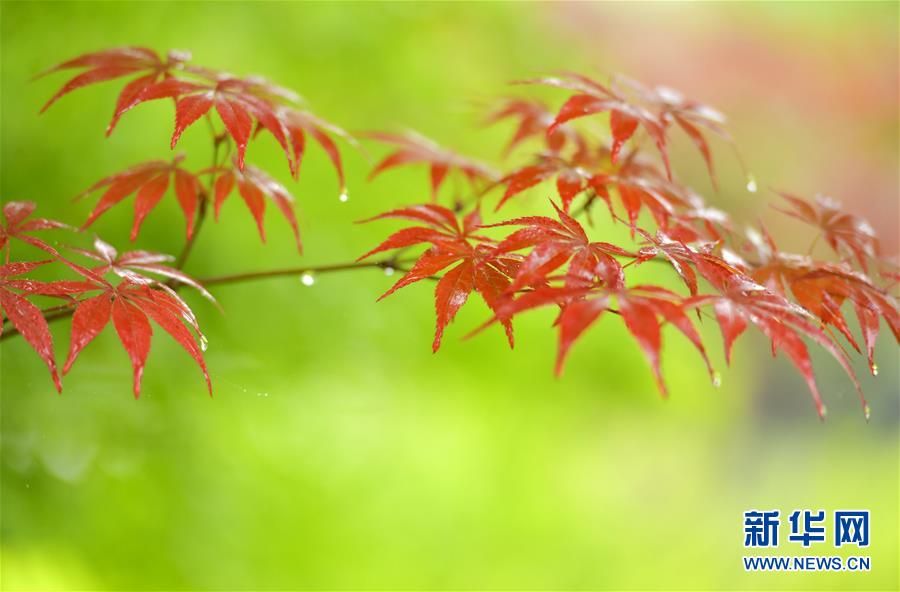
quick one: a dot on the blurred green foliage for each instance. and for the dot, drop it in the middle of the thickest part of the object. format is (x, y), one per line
(338, 452)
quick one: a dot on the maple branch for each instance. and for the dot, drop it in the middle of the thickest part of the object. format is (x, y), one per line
(62, 311)
(189, 243)
(288, 271)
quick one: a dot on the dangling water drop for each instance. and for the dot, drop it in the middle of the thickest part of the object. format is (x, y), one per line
(867, 411)
(717, 379)
(824, 411)
(874, 369)
(751, 184)
(343, 197)
(204, 343)
(307, 278)
(389, 271)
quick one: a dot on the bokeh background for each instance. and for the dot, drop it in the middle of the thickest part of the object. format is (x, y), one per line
(338, 452)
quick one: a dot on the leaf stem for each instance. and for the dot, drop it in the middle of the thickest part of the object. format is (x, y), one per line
(189, 243)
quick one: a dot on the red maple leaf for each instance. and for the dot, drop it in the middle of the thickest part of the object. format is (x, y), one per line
(632, 105)
(822, 288)
(299, 123)
(573, 176)
(131, 306)
(696, 221)
(148, 181)
(625, 116)
(18, 224)
(742, 301)
(845, 233)
(691, 116)
(415, 148)
(644, 309)
(534, 118)
(254, 186)
(114, 63)
(25, 316)
(135, 265)
(480, 267)
(238, 102)
(661, 198)
(553, 243)
(679, 255)
(593, 277)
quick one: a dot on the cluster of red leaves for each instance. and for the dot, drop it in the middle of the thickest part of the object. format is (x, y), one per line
(536, 261)
(632, 105)
(554, 262)
(131, 300)
(245, 107)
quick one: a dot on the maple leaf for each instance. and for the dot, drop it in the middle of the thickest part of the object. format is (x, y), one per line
(572, 177)
(691, 116)
(644, 309)
(114, 63)
(18, 224)
(131, 306)
(25, 316)
(625, 116)
(134, 265)
(679, 255)
(553, 243)
(237, 101)
(638, 186)
(480, 267)
(822, 288)
(632, 105)
(415, 148)
(742, 302)
(233, 104)
(591, 267)
(842, 231)
(148, 181)
(695, 221)
(299, 123)
(661, 198)
(533, 120)
(254, 186)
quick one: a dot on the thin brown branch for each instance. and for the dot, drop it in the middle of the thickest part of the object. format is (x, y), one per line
(189, 243)
(62, 311)
(299, 270)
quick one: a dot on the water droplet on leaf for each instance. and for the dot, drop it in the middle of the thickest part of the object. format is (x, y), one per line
(389, 270)
(343, 197)
(307, 279)
(717, 379)
(204, 343)
(874, 369)
(867, 411)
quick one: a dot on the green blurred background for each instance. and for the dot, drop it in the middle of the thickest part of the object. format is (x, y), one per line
(338, 452)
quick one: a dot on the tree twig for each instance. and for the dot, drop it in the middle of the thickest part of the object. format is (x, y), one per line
(299, 270)
(62, 311)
